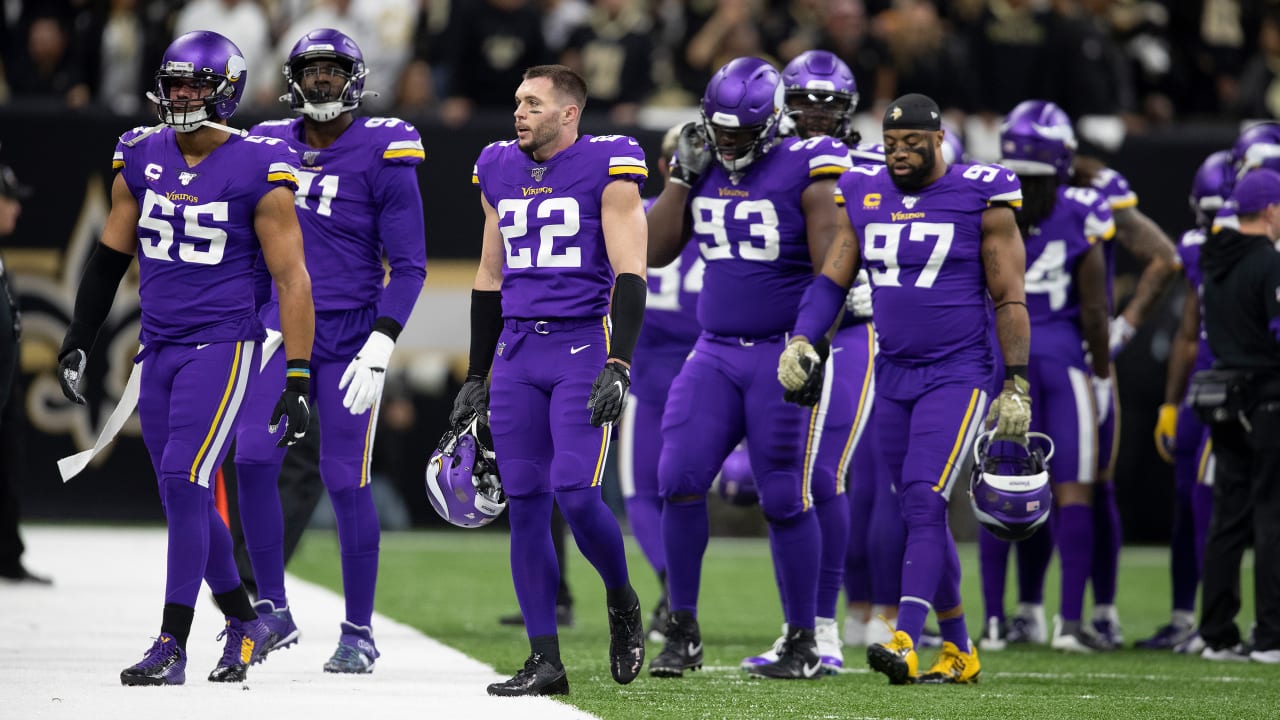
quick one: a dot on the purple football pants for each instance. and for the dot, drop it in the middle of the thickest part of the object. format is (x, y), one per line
(1193, 478)
(728, 389)
(346, 449)
(545, 444)
(189, 402)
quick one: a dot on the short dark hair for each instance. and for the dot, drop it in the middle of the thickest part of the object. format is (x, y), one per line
(563, 79)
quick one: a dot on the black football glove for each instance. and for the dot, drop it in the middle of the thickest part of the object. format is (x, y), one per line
(472, 401)
(810, 393)
(71, 374)
(608, 393)
(294, 409)
(692, 154)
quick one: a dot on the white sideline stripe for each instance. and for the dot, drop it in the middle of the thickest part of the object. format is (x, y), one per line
(63, 648)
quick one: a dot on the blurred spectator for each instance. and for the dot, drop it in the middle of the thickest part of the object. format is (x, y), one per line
(792, 27)
(728, 32)
(244, 23)
(120, 85)
(492, 43)
(846, 33)
(926, 58)
(391, 23)
(1259, 95)
(1010, 54)
(561, 18)
(1213, 45)
(1142, 29)
(1097, 80)
(48, 69)
(614, 52)
(12, 412)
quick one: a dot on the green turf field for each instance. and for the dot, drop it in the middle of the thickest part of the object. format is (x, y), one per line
(454, 585)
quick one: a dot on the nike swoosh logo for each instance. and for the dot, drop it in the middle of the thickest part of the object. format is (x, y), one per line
(695, 649)
(201, 347)
(811, 671)
(576, 350)
(618, 384)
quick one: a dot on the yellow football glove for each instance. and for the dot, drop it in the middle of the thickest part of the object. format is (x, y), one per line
(797, 362)
(1010, 414)
(1167, 431)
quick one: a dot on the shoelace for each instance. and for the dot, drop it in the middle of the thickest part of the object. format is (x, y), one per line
(894, 643)
(155, 655)
(231, 650)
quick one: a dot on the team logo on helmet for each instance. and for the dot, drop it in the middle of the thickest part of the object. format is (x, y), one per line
(235, 68)
(895, 113)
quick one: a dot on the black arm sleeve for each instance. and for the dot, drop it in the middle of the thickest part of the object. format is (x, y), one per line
(388, 326)
(102, 275)
(629, 295)
(486, 326)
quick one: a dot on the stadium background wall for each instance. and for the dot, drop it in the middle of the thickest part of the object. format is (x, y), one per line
(65, 157)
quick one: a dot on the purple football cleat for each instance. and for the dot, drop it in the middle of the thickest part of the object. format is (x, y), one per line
(284, 632)
(247, 641)
(164, 664)
(355, 653)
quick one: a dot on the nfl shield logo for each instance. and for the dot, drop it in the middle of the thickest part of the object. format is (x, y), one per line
(909, 201)
(501, 346)
(309, 157)
(1033, 505)
(537, 173)
(186, 177)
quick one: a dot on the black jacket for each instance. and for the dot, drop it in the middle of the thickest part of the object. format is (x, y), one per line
(1242, 300)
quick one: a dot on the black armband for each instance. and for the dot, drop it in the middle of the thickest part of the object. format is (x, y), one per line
(486, 327)
(1015, 371)
(629, 294)
(102, 275)
(388, 326)
(297, 376)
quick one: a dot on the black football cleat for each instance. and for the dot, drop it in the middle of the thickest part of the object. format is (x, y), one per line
(626, 643)
(683, 649)
(797, 660)
(537, 677)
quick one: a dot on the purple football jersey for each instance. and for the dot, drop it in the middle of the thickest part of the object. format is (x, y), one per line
(923, 252)
(556, 265)
(196, 238)
(1081, 217)
(753, 239)
(357, 198)
(670, 323)
(1189, 252)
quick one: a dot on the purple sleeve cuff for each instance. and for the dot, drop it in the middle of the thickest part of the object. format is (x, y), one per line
(818, 308)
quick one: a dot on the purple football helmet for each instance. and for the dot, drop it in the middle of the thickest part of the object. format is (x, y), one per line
(1010, 491)
(205, 61)
(741, 109)
(867, 153)
(325, 101)
(820, 93)
(1212, 186)
(737, 484)
(462, 479)
(1258, 146)
(1036, 138)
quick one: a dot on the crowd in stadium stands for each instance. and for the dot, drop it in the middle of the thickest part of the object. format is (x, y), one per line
(1148, 61)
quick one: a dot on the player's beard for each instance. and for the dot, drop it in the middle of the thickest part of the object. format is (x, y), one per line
(915, 180)
(540, 135)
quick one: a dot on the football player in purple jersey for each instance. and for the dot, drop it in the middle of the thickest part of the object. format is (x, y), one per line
(759, 209)
(357, 199)
(201, 201)
(669, 332)
(1064, 228)
(1181, 438)
(821, 97)
(941, 245)
(564, 229)
(1148, 244)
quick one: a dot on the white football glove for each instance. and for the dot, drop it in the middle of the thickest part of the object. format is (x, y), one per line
(1121, 333)
(858, 301)
(366, 373)
(1102, 397)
